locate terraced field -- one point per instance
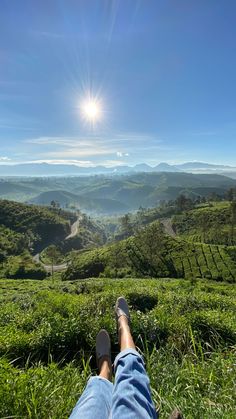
(205, 261)
(179, 259)
(213, 224)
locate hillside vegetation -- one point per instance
(152, 253)
(25, 229)
(11, 243)
(39, 224)
(210, 224)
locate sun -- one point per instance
(91, 110)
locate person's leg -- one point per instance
(131, 395)
(124, 334)
(95, 402)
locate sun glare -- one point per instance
(91, 110)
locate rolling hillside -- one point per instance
(214, 224)
(152, 253)
(114, 194)
(25, 229)
(36, 225)
(11, 242)
(82, 202)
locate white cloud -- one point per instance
(111, 163)
(121, 154)
(71, 147)
(4, 158)
(82, 163)
(60, 141)
(102, 139)
(129, 146)
(83, 152)
(76, 148)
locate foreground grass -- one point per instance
(185, 331)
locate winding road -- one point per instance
(74, 230)
(62, 266)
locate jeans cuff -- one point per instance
(100, 383)
(126, 352)
(98, 377)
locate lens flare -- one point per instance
(91, 110)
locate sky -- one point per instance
(162, 71)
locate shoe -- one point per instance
(103, 345)
(122, 308)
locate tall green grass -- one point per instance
(186, 332)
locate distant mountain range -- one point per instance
(113, 194)
(46, 169)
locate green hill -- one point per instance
(24, 229)
(71, 200)
(64, 198)
(40, 225)
(115, 193)
(11, 243)
(209, 224)
(152, 253)
(147, 189)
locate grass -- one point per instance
(21, 266)
(185, 330)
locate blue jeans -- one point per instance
(128, 398)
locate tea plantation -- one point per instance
(214, 223)
(171, 257)
(186, 331)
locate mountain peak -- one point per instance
(165, 167)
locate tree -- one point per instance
(231, 194)
(140, 216)
(126, 226)
(97, 240)
(147, 252)
(233, 219)
(213, 196)
(183, 203)
(3, 256)
(117, 258)
(55, 204)
(54, 255)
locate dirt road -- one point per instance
(62, 266)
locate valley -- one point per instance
(114, 194)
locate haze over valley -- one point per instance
(114, 193)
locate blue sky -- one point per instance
(163, 70)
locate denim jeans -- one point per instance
(128, 398)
